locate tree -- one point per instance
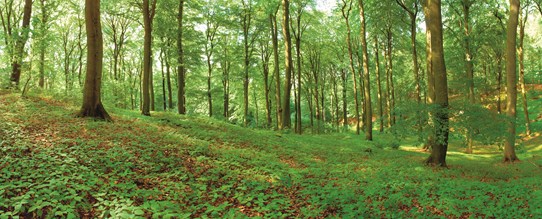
(149, 7)
(286, 121)
(346, 8)
(181, 92)
(524, 15)
(379, 84)
(249, 38)
(298, 30)
(92, 103)
(438, 68)
(511, 86)
(211, 28)
(20, 42)
(276, 67)
(412, 10)
(367, 83)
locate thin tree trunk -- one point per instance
(148, 92)
(43, 48)
(265, 55)
(511, 91)
(499, 81)
(168, 79)
(466, 4)
(389, 78)
(276, 70)
(163, 70)
(286, 121)
(413, 13)
(346, 15)
(181, 93)
(226, 83)
(521, 54)
(367, 82)
(345, 105)
(379, 85)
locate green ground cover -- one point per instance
(172, 166)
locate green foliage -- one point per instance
(170, 166)
(484, 125)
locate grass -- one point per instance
(172, 166)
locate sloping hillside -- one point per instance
(52, 164)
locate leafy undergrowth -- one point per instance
(55, 165)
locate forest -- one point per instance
(270, 108)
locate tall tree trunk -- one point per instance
(298, 33)
(335, 97)
(413, 13)
(440, 148)
(210, 34)
(181, 92)
(226, 83)
(148, 16)
(367, 82)
(379, 85)
(246, 22)
(43, 47)
(265, 55)
(430, 78)
(20, 43)
(163, 70)
(521, 54)
(81, 53)
(92, 104)
(286, 121)
(276, 70)
(168, 78)
(389, 78)
(209, 94)
(499, 58)
(511, 91)
(346, 8)
(345, 105)
(466, 4)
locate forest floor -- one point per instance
(167, 165)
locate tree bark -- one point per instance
(168, 78)
(43, 48)
(389, 77)
(265, 56)
(276, 70)
(181, 92)
(511, 91)
(19, 44)
(92, 104)
(148, 16)
(346, 14)
(226, 83)
(286, 121)
(345, 103)
(430, 79)
(246, 22)
(466, 4)
(521, 55)
(440, 148)
(413, 14)
(367, 87)
(379, 84)
(499, 57)
(298, 34)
